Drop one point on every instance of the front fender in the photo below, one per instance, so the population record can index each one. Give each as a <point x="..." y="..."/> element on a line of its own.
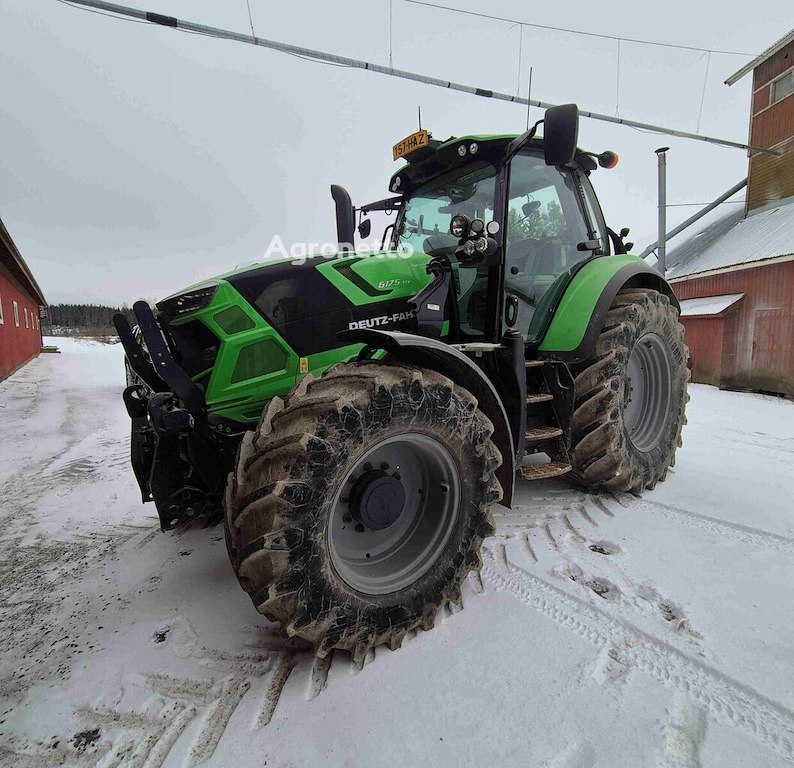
<point x="448" y="361"/>
<point x="581" y="312"/>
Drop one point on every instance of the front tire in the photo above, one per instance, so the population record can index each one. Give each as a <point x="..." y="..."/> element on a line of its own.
<point x="359" y="505"/>
<point x="631" y="396"/>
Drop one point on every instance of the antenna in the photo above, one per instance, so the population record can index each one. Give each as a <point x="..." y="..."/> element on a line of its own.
<point x="529" y="96"/>
<point x="420" y="117"/>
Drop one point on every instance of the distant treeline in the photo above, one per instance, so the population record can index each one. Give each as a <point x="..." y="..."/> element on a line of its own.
<point x="85" y="318"/>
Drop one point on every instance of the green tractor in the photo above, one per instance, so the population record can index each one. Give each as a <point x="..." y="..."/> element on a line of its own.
<point x="353" y="419"/>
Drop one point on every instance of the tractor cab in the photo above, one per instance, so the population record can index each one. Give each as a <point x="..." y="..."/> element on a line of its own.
<point x="506" y="221"/>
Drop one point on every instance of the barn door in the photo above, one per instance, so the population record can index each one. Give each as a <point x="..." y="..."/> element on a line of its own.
<point x="773" y="340"/>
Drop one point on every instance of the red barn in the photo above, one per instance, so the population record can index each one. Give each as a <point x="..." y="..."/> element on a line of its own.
<point x="736" y="277"/>
<point x="21" y="304"/>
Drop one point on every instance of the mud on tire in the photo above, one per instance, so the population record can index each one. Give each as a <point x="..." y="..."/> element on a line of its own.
<point x="603" y="451"/>
<point x="288" y="479"/>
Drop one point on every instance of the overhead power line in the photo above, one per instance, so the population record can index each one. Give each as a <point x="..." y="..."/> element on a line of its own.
<point x="576" y="31"/>
<point x="250" y="18"/>
<point x="344" y="61"/>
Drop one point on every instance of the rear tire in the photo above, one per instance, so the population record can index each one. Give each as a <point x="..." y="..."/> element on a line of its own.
<point x="631" y="396"/>
<point x="289" y="531"/>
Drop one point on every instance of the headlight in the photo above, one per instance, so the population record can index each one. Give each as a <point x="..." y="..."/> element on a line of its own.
<point x="492" y="228"/>
<point x="473" y="147"/>
<point x="188" y="302"/>
<point x="481" y="245"/>
<point x="462" y="150"/>
<point x="468" y="248"/>
<point x="459" y="226"/>
<point x="477" y="226"/>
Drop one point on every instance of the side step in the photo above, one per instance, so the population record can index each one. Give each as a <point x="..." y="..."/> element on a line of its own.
<point x="539" y="397"/>
<point x="544" y="471"/>
<point x="541" y="433"/>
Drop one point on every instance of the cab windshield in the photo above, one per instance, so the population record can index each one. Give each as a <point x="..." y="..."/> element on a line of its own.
<point x="424" y="226"/>
<point x="468" y="191"/>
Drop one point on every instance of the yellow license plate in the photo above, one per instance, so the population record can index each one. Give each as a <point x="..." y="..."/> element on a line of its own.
<point x="410" y="144"/>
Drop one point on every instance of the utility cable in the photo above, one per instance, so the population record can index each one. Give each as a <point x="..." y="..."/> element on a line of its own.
<point x="250" y="19"/>
<point x="576" y="31"/>
<point x="345" y="61"/>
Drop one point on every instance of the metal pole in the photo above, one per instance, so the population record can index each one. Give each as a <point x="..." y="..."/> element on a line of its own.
<point x="331" y="58"/>
<point x="699" y="215"/>
<point x="661" y="251"/>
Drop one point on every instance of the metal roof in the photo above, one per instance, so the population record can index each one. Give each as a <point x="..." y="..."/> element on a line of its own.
<point x="732" y="240"/>
<point x="771" y="51"/>
<point x="708" y="305"/>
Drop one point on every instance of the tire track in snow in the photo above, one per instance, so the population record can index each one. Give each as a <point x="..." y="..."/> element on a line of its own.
<point x="726" y="700"/>
<point x="216" y="720"/>
<point x="743" y="533"/>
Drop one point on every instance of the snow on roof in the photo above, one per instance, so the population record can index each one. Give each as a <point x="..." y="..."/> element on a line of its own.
<point x="731" y="240"/>
<point x="708" y="305"/>
<point x="771" y="51"/>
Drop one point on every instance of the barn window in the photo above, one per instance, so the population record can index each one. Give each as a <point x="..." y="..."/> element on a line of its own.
<point x="16" y="314"/>
<point x="25" y="310"/>
<point x="2" y="321"/>
<point x="782" y="87"/>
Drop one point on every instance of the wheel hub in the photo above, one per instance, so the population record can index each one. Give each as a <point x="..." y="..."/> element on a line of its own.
<point x="647" y="392"/>
<point x="393" y="512"/>
<point x="377" y="500"/>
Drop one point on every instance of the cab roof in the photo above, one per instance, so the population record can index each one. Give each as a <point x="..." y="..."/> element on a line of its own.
<point x="428" y="162"/>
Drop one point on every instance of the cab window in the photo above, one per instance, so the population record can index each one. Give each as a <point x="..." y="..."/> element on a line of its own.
<point x="424" y="225"/>
<point x="545" y="225"/>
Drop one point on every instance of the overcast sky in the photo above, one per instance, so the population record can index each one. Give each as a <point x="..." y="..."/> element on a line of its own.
<point x="136" y="159"/>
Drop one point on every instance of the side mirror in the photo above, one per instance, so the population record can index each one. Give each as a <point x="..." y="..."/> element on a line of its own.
<point x="364" y="228"/>
<point x="560" y="134"/>
<point x="624" y="233"/>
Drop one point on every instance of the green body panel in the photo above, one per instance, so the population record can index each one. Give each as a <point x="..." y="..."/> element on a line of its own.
<point x="576" y="307"/>
<point x="388" y="275"/>
<point x="379" y="277"/>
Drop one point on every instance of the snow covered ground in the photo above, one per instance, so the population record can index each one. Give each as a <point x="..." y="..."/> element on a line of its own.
<point x="604" y="631"/>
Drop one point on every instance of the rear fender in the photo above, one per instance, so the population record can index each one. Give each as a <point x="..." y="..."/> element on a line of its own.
<point x="438" y="356"/>
<point x="581" y="313"/>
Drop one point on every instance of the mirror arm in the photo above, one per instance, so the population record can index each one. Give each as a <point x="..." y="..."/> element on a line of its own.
<point x="514" y="147"/>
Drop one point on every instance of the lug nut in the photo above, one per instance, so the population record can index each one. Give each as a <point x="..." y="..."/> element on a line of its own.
<point x="347" y="519"/>
<point x="384" y="465"/>
<point x="396" y="475"/>
<point x="360" y="528"/>
<point x="344" y="499"/>
<point x="368" y="467"/>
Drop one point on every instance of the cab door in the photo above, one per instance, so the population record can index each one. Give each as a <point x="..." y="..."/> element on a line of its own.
<point x="547" y="224"/>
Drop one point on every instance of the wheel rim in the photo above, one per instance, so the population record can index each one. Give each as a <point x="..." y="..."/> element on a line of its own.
<point x="646" y="407"/>
<point x="407" y="489"/>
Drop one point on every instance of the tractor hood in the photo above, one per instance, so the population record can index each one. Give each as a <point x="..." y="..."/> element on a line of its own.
<point x="306" y="301"/>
